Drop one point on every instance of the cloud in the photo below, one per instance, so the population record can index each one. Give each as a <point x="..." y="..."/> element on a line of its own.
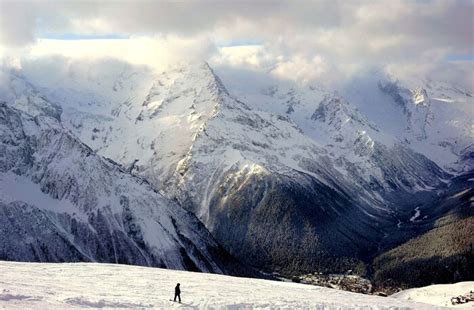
<point x="156" y="52"/>
<point x="300" y="69"/>
<point x="17" y="24"/>
<point x="302" y="40"/>
<point x="164" y="17"/>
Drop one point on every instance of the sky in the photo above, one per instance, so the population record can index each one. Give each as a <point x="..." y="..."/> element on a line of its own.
<point x="296" y="40"/>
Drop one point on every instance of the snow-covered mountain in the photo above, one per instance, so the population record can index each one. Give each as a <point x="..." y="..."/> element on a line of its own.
<point x="62" y="202"/>
<point x="388" y="146"/>
<point x="433" y="118"/>
<point x="285" y="177"/>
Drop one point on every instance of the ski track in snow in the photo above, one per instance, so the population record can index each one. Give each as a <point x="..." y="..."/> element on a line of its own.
<point x="105" y="286"/>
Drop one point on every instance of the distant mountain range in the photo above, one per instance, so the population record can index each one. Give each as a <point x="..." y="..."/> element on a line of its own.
<point x="176" y="170"/>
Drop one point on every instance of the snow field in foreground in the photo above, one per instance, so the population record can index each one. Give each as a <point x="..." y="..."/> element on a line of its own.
<point x="91" y="285"/>
<point x="439" y="294"/>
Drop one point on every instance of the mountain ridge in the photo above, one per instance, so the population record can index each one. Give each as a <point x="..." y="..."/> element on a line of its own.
<point x="81" y="207"/>
<point x="290" y="180"/>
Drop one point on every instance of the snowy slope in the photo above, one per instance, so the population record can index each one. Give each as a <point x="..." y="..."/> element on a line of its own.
<point x="65" y="203"/>
<point x="439" y="294"/>
<point x="145" y="121"/>
<point x="59" y="286"/>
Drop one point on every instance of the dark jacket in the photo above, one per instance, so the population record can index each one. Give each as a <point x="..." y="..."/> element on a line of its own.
<point x="177" y="291"/>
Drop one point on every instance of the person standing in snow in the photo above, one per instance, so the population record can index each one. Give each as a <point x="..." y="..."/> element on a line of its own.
<point x="177" y="293"/>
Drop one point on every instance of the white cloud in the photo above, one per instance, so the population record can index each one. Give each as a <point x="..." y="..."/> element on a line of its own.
<point x="302" y="40"/>
<point x="300" y="69"/>
<point x="240" y="56"/>
<point x="91" y="25"/>
<point x="156" y="52"/>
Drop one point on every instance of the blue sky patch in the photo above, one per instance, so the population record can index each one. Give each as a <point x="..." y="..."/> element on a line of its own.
<point x="465" y="57"/>
<point x="239" y="42"/>
<point x="75" y="36"/>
